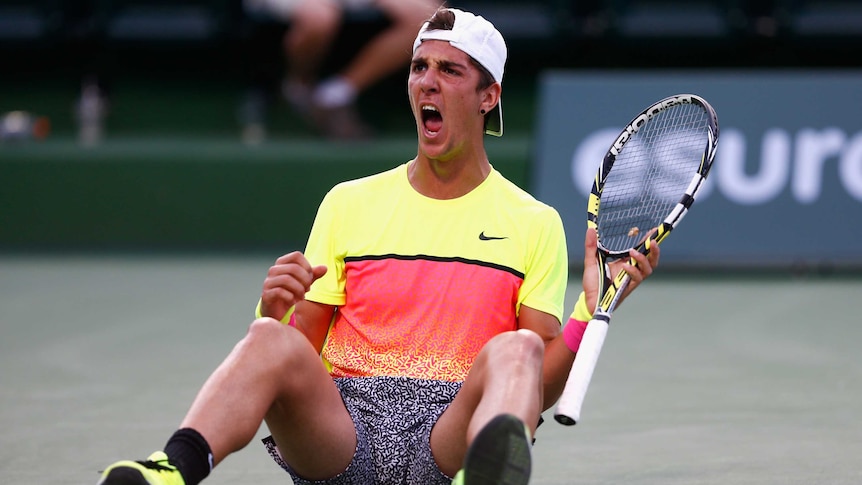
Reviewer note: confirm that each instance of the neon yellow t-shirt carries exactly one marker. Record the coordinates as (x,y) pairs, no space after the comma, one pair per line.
(422,284)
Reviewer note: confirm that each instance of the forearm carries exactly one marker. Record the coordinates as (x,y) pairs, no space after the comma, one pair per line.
(558,362)
(560,352)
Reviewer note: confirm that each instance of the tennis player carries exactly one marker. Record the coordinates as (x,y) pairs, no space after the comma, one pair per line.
(418,338)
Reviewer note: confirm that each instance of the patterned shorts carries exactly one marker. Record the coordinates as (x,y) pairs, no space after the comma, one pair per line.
(393,417)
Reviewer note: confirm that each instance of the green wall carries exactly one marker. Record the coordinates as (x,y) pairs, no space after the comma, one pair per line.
(188,194)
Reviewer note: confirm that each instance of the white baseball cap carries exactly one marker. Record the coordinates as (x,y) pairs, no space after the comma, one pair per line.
(480,40)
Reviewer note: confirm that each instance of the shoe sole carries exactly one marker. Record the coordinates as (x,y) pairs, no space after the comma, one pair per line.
(124,475)
(500,454)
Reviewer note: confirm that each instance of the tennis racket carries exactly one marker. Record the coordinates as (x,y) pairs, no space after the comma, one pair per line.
(646,183)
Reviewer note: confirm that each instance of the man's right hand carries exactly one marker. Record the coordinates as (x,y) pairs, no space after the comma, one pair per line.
(286,284)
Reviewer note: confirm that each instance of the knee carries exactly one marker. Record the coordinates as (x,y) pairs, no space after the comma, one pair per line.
(319,15)
(409,14)
(518,347)
(264,327)
(529,343)
(269,340)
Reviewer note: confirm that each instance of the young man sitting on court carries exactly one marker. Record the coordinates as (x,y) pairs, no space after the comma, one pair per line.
(433,293)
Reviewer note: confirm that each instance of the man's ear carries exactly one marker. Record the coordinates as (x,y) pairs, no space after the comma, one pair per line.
(491,97)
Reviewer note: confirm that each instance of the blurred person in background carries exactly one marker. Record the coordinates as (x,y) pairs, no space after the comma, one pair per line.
(91,108)
(329,104)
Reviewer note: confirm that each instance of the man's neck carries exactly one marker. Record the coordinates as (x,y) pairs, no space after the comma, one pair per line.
(448,179)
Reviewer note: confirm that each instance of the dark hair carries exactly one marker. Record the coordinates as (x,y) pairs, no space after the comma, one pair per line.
(443,19)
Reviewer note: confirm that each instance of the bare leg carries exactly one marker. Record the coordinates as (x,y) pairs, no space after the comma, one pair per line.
(275,374)
(314,27)
(506,378)
(391,49)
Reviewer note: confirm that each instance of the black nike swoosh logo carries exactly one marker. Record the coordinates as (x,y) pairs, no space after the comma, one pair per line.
(483,237)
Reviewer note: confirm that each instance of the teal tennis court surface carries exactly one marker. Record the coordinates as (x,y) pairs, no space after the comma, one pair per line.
(702,380)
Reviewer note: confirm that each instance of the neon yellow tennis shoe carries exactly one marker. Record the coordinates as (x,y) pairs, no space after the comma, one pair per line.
(500,455)
(155,470)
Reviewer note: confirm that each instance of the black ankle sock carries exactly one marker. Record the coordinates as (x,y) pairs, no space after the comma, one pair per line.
(190,453)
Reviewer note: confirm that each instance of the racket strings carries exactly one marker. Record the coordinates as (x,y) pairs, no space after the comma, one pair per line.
(650,175)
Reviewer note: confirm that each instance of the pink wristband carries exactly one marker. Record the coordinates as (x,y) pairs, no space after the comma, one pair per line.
(573,332)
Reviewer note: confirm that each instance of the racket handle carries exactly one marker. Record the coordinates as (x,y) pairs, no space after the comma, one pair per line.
(569,406)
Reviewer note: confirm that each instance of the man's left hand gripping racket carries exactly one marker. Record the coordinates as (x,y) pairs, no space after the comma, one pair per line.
(646,183)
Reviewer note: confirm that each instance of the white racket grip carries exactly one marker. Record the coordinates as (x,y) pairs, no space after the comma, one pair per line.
(569,406)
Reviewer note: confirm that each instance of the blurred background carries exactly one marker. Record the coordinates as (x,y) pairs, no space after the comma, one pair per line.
(165,125)
(154,163)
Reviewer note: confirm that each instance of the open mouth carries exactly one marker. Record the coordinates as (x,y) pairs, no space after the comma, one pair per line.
(432,120)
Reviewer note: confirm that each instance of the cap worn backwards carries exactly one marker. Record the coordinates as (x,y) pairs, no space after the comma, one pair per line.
(479,39)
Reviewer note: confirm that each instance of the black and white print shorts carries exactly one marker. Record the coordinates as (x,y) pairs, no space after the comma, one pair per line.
(393,417)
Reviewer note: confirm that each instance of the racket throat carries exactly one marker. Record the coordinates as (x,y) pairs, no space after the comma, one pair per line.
(603,315)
